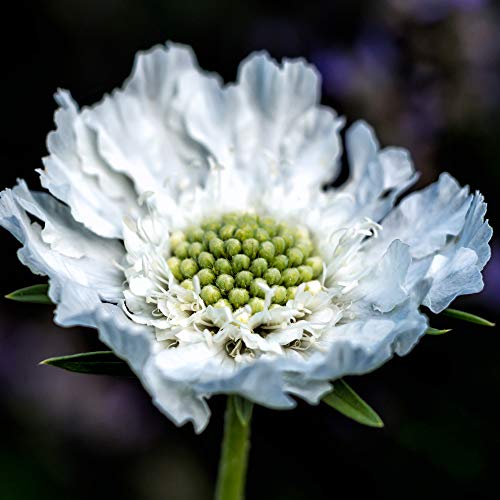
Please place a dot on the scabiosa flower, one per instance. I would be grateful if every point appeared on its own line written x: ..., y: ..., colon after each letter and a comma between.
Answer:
x: 187, y: 222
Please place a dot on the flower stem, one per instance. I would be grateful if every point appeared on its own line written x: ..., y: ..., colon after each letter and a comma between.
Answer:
x: 235, y: 447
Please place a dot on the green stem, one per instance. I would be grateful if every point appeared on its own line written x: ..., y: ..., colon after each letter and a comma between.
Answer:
x: 235, y: 447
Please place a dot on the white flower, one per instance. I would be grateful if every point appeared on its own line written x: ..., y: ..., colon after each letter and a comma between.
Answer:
x: 137, y: 183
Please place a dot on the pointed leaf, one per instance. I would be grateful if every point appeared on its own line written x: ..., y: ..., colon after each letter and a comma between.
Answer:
x: 435, y: 331
x: 97, y: 363
x: 347, y: 402
x: 243, y: 408
x: 465, y: 316
x: 36, y: 294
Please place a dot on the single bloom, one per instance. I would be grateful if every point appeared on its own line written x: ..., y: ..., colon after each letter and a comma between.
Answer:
x: 188, y: 222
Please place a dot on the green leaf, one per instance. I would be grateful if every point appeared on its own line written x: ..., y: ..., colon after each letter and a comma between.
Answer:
x: 36, y: 294
x: 435, y: 331
x: 96, y: 363
x: 347, y: 402
x: 464, y: 316
x: 243, y: 408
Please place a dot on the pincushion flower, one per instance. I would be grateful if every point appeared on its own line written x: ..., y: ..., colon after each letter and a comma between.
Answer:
x: 188, y: 222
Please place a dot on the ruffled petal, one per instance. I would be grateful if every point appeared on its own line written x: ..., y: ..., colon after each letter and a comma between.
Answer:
x: 377, y: 177
x: 134, y: 343
x: 260, y: 381
x: 284, y: 102
x: 457, y: 269
x: 78, y: 175
x: 219, y: 120
x: 269, y: 124
x: 279, y: 95
x: 181, y: 379
x: 383, y: 287
x: 65, y: 251
x: 426, y: 219
x: 167, y: 374
x: 361, y: 346
x: 444, y: 227
x: 140, y: 130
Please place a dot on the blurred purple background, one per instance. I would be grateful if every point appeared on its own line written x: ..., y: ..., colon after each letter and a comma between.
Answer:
x: 426, y: 74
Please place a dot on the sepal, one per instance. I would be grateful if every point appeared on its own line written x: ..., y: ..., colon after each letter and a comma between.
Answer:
x: 346, y: 401
x: 95, y: 363
x: 36, y: 294
x: 436, y: 331
x: 465, y: 316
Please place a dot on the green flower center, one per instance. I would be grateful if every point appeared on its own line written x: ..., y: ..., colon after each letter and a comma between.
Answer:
x: 237, y: 256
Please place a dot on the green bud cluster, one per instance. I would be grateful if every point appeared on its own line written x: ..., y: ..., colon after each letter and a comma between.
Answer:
x: 238, y: 255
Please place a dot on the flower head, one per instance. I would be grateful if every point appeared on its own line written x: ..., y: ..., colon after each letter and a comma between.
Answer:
x: 187, y: 222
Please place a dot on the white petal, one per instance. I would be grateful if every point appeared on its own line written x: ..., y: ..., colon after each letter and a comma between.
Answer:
x: 377, y: 178
x: 61, y: 232
x: 279, y: 94
x: 140, y: 129
x: 383, y: 288
x: 298, y: 136
x: 77, y: 174
x: 88, y: 266
x: 260, y: 381
x: 448, y: 239
x: 457, y: 270
x: 218, y: 118
x: 75, y: 303
x: 455, y: 275
x: 309, y: 390
x: 132, y: 342
x: 170, y: 389
x: 268, y: 124
x: 476, y: 232
x: 359, y: 347
x: 311, y: 148
x: 425, y: 219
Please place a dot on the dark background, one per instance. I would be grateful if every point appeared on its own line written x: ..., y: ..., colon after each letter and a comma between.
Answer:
x: 426, y: 74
